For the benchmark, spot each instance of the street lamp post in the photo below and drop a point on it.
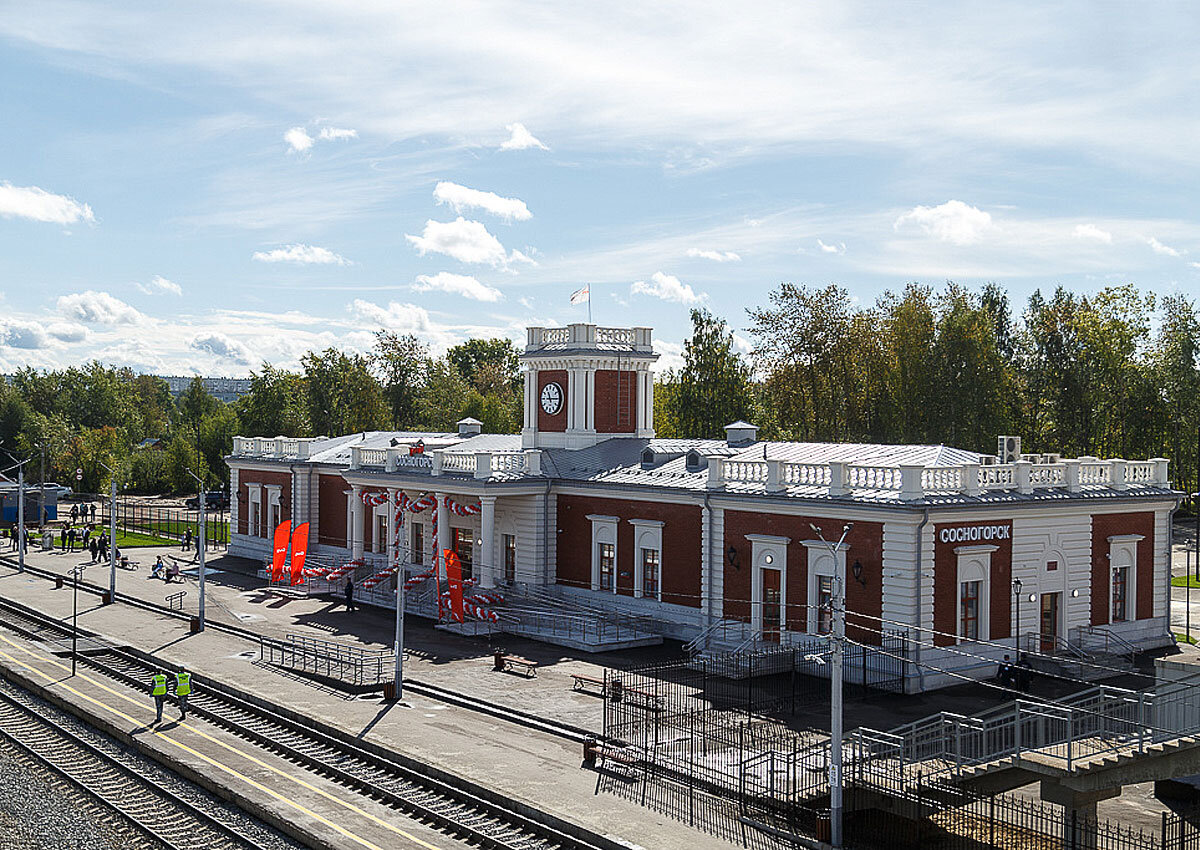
(399, 671)
(201, 544)
(837, 640)
(21, 517)
(76, 572)
(112, 531)
(1016, 586)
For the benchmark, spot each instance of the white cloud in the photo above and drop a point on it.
(953, 221)
(1091, 231)
(39, 205)
(67, 331)
(98, 308)
(220, 345)
(160, 284)
(460, 198)
(1195, 265)
(298, 139)
(1160, 248)
(715, 256)
(464, 240)
(304, 254)
(520, 139)
(670, 355)
(457, 284)
(17, 333)
(836, 248)
(408, 318)
(668, 288)
(336, 133)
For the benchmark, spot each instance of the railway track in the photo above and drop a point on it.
(162, 818)
(462, 700)
(470, 814)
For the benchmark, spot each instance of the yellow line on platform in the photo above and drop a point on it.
(216, 763)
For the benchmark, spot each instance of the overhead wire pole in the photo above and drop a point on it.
(837, 649)
(201, 544)
(112, 531)
(21, 517)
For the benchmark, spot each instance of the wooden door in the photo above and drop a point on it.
(772, 609)
(1049, 621)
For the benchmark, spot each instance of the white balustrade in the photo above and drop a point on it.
(1142, 472)
(458, 462)
(942, 479)
(553, 335)
(1092, 471)
(998, 477)
(746, 471)
(615, 336)
(873, 477)
(806, 474)
(372, 457)
(1048, 475)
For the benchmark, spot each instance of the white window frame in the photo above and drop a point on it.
(975, 564)
(416, 540)
(254, 510)
(823, 562)
(767, 552)
(1122, 552)
(379, 542)
(274, 508)
(647, 534)
(604, 530)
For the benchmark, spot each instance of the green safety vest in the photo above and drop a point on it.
(183, 684)
(160, 685)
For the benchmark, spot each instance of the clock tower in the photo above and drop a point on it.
(584, 384)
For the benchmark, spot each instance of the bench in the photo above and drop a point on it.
(504, 662)
(595, 753)
(643, 699)
(582, 683)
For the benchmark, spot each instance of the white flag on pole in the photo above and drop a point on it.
(581, 295)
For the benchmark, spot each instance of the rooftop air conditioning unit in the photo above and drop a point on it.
(1008, 449)
(988, 460)
(1052, 458)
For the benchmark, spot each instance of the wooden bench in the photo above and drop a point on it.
(595, 753)
(643, 699)
(582, 683)
(515, 662)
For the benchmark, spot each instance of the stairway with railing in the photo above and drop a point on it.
(539, 613)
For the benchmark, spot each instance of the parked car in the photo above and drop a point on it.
(214, 500)
(60, 490)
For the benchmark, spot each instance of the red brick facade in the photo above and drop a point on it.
(616, 401)
(945, 581)
(557, 422)
(331, 495)
(1105, 526)
(253, 476)
(681, 546)
(866, 546)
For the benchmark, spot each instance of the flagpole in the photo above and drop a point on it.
(589, 304)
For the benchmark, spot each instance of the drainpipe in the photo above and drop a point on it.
(920, 566)
(706, 588)
(546, 533)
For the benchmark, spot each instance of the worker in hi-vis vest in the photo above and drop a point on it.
(183, 687)
(158, 689)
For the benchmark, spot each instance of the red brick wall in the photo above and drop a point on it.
(945, 582)
(1105, 526)
(866, 545)
(557, 422)
(611, 415)
(681, 548)
(331, 490)
(255, 476)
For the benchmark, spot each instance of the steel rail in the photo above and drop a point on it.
(455, 811)
(115, 785)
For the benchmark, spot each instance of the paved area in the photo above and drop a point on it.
(535, 768)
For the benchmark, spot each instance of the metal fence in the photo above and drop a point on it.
(350, 666)
(167, 524)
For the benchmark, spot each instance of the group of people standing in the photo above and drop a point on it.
(158, 690)
(88, 540)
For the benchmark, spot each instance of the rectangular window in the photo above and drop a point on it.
(418, 543)
(1051, 566)
(510, 558)
(1120, 594)
(381, 534)
(650, 564)
(255, 521)
(464, 546)
(607, 558)
(968, 606)
(824, 604)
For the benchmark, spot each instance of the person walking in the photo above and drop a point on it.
(93, 507)
(71, 534)
(62, 538)
(158, 689)
(94, 548)
(349, 595)
(187, 539)
(183, 687)
(74, 513)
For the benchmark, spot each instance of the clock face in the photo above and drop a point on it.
(552, 399)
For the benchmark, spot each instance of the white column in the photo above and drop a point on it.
(443, 533)
(487, 533)
(640, 389)
(572, 392)
(589, 400)
(358, 515)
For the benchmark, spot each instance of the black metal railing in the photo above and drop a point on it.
(351, 666)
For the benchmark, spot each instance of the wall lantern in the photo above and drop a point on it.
(1075, 593)
(768, 558)
(731, 555)
(856, 571)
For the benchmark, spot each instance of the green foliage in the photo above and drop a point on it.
(276, 406)
(401, 361)
(713, 387)
(442, 399)
(496, 358)
(343, 396)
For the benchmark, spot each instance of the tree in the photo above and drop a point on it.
(195, 402)
(474, 354)
(343, 395)
(1177, 374)
(713, 387)
(276, 406)
(443, 397)
(401, 361)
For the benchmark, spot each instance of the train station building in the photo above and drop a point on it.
(596, 534)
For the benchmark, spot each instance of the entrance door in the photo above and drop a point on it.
(772, 606)
(1049, 621)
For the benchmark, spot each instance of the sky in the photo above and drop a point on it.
(199, 188)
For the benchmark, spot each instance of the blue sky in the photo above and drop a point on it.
(199, 189)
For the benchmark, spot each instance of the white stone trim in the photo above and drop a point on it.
(254, 517)
(767, 552)
(974, 564)
(1122, 552)
(822, 562)
(647, 534)
(604, 530)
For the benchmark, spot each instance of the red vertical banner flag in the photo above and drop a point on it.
(281, 548)
(454, 584)
(299, 551)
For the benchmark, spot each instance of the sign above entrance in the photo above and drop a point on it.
(973, 533)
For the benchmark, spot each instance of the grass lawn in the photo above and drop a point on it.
(1184, 581)
(218, 532)
(134, 539)
(1182, 638)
